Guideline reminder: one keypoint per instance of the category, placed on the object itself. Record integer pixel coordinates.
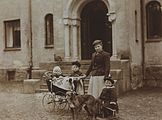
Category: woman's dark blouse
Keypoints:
(100, 64)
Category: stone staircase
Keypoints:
(119, 71)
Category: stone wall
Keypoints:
(136, 76)
(40, 8)
(153, 76)
(3, 75)
(153, 45)
(12, 10)
(15, 75)
(14, 82)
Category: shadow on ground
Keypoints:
(142, 104)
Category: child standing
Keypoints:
(78, 83)
(109, 98)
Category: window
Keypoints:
(154, 20)
(11, 75)
(12, 34)
(49, 30)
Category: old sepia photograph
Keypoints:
(80, 59)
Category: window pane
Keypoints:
(154, 28)
(12, 35)
(17, 39)
(16, 34)
(9, 35)
(49, 29)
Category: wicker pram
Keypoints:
(61, 85)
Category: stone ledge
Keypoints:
(153, 72)
(30, 85)
(37, 74)
(19, 74)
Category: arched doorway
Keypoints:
(95, 25)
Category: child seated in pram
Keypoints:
(108, 97)
(57, 73)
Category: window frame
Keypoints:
(49, 32)
(151, 38)
(16, 45)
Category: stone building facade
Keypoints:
(36, 31)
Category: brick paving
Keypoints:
(144, 104)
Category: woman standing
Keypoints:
(99, 69)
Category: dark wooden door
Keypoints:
(95, 25)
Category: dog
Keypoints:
(91, 105)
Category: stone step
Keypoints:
(36, 74)
(115, 64)
(46, 90)
(86, 81)
(85, 87)
(43, 86)
(30, 85)
(41, 90)
(115, 73)
(68, 72)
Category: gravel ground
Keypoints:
(143, 104)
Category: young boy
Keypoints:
(109, 98)
(78, 84)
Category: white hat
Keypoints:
(57, 70)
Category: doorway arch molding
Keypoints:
(71, 20)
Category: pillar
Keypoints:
(112, 17)
(67, 39)
(75, 37)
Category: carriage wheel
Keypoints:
(60, 102)
(48, 102)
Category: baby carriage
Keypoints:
(55, 99)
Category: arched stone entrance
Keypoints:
(73, 16)
(95, 25)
